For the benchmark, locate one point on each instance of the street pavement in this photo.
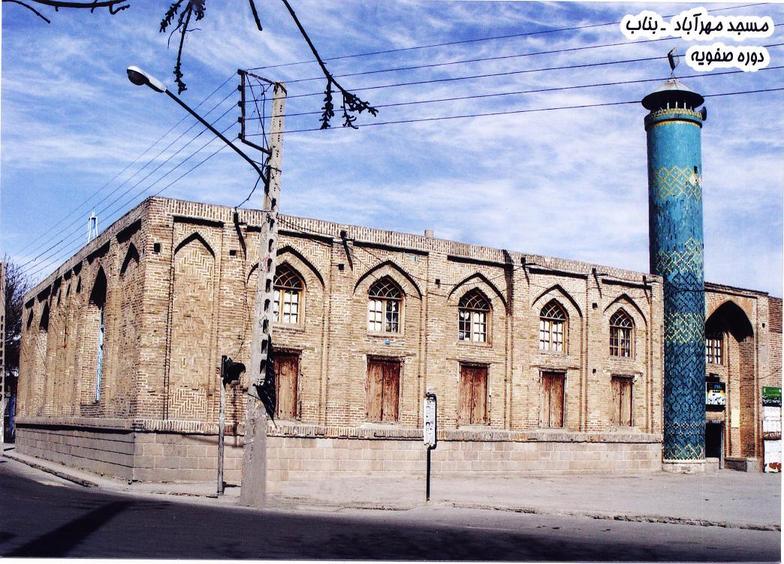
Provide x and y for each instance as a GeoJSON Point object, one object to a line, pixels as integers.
{"type": "Point", "coordinates": [42, 515]}
{"type": "Point", "coordinates": [723, 498]}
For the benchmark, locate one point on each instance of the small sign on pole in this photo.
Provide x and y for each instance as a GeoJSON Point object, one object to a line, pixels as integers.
{"type": "Point", "coordinates": [430, 420]}
{"type": "Point", "coordinates": [429, 433]}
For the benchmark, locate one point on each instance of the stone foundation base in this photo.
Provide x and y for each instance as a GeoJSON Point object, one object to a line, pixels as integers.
{"type": "Point", "coordinates": [684, 466]}
{"type": "Point", "coordinates": [187, 452]}
{"type": "Point", "coordinates": [742, 464]}
{"type": "Point", "coordinates": [132, 455]}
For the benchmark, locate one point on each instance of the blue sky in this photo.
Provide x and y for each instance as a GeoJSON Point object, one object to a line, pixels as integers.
{"type": "Point", "coordinates": [569, 183]}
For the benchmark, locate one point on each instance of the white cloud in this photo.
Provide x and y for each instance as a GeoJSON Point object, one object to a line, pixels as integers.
{"type": "Point", "coordinates": [569, 183]}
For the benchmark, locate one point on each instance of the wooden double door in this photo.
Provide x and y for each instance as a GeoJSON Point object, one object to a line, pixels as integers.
{"type": "Point", "coordinates": [286, 366]}
{"type": "Point", "coordinates": [472, 403]}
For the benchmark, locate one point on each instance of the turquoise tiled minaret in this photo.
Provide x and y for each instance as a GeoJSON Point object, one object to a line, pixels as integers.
{"type": "Point", "coordinates": [674, 127]}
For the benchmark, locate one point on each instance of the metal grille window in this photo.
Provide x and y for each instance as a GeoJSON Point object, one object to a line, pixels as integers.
{"type": "Point", "coordinates": [552, 327]}
{"type": "Point", "coordinates": [472, 317]}
{"type": "Point", "coordinates": [621, 331]}
{"type": "Point", "coordinates": [384, 300]}
{"type": "Point", "coordinates": [288, 292]}
{"type": "Point", "coordinates": [713, 348]}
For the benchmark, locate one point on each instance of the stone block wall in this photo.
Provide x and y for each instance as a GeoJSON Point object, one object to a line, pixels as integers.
{"type": "Point", "coordinates": [301, 455]}
{"type": "Point", "coordinates": [101, 451]}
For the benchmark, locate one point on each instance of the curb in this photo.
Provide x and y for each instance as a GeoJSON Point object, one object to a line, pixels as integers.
{"type": "Point", "coordinates": [662, 519]}
{"type": "Point", "coordinates": [309, 504]}
{"type": "Point", "coordinates": [49, 470]}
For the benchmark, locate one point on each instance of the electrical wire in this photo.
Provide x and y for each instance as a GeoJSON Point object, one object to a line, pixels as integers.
{"type": "Point", "coordinates": [497, 74]}
{"type": "Point", "coordinates": [477, 40]}
{"type": "Point", "coordinates": [524, 111]}
{"type": "Point", "coordinates": [76, 236]}
{"type": "Point", "coordinates": [137, 159]}
{"type": "Point", "coordinates": [161, 164]}
{"type": "Point", "coordinates": [479, 60]}
{"type": "Point", "coordinates": [531, 91]}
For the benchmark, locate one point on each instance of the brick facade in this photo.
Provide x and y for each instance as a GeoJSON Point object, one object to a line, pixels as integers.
{"type": "Point", "coordinates": [179, 292]}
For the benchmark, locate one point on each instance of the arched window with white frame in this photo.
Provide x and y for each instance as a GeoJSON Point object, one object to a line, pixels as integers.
{"type": "Point", "coordinates": [552, 327]}
{"type": "Point", "coordinates": [621, 334]}
{"type": "Point", "coordinates": [385, 299]}
{"type": "Point", "coordinates": [287, 301]}
{"type": "Point", "coordinates": [472, 318]}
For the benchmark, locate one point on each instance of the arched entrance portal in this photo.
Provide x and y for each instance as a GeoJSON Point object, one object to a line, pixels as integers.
{"type": "Point", "coordinates": [729, 351]}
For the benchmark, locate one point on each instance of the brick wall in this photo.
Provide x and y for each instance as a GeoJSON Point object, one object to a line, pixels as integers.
{"type": "Point", "coordinates": [180, 280]}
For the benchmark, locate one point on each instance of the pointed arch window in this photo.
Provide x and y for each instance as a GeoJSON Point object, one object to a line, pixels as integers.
{"type": "Point", "coordinates": [288, 295]}
{"type": "Point", "coordinates": [552, 327]}
{"type": "Point", "coordinates": [621, 334]}
{"type": "Point", "coordinates": [472, 317]}
{"type": "Point", "coordinates": [98, 300]}
{"type": "Point", "coordinates": [384, 303]}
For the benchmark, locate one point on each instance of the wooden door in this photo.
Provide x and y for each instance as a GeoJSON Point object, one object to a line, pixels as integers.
{"type": "Point", "coordinates": [553, 399]}
{"type": "Point", "coordinates": [472, 406]}
{"type": "Point", "coordinates": [622, 401]}
{"type": "Point", "coordinates": [383, 397]}
{"type": "Point", "coordinates": [286, 384]}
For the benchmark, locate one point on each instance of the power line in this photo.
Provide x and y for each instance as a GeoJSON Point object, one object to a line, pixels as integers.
{"type": "Point", "coordinates": [164, 162]}
{"type": "Point", "coordinates": [533, 91]}
{"type": "Point", "coordinates": [500, 74]}
{"type": "Point", "coordinates": [481, 59]}
{"type": "Point", "coordinates": [137, 159]}
{"type": "Point", "coordinates": [477, 40]}
{"type": "Point", "coordinates": [525, 111]}
{"type": "Point", "coordinates": [197, 165]}
{"type": "Point", "coordinates": [75, 236]}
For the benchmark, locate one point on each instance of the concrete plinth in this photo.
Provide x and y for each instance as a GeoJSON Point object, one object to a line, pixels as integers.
{"type": "Point", "coordinates": [684, 466]}
{"type": "Point", "coordinates": [742, 464]}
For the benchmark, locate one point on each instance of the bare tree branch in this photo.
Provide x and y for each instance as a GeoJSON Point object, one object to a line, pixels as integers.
{"type": "Point", "coordinates": [36, 12]}
{"type": "Point", "coordinates": [16, 285]}
{"type": "Point", "coordinates": [114, 6]}
{"type": "Point", "coordinates": [350, 106]}
{"type": "Point", "coordinates": [255, 14]}
{"type": "Point", "coordinates": [351, 103]}
{"type": "Point", "coordinates": [194, 7]}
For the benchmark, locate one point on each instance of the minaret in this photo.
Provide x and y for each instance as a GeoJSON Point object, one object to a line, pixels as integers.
{"type": "Point", "coordinates": [673, 128]}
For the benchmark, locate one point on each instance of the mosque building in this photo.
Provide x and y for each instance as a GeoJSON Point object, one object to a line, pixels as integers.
{"type": "Point", "coordinates": [540, 365]}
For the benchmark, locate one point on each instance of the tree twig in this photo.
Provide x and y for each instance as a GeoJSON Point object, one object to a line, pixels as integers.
{"type": "Point", "coordinates": [255, 14]}
{"type": "Point", "coordinates": [194, 8]}
{"type": "Point", "coordinates": [36, 12]}
{"type": "Point", "coordinates": [351, 102]}
{"type": "Point", "coordinates": [113, 5]}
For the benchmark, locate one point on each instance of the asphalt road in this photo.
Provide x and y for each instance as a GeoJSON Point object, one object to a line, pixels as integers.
{"type": "Point", "coordinates": [43, 516]}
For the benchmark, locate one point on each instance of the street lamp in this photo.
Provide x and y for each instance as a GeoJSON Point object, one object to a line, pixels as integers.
{"type": "Point", "coordinates": [141, 78]}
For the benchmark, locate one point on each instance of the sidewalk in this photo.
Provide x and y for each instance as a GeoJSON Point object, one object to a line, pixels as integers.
{"type": "Point", "coordinates": [725, 498]}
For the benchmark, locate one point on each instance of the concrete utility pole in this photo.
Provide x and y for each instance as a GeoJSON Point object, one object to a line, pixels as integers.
{"type": "Point", "coordinates": [2, 358]}
{"type": "Point", "coordinates": [254, 467]}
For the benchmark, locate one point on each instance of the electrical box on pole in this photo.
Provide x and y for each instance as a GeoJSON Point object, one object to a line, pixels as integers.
{"type": "Point", "coordinates": [261, 390]}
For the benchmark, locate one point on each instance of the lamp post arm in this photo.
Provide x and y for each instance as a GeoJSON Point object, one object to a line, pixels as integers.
{"type": "Point", "coordinates": [220, 135]}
